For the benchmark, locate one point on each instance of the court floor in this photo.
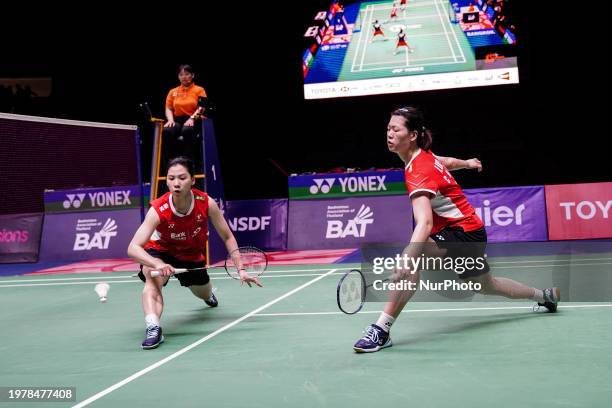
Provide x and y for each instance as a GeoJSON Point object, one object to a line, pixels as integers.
{"type": "Point", "coordinates": [288, 345]}
{"type": "Point", "coordinates": [439, 45]}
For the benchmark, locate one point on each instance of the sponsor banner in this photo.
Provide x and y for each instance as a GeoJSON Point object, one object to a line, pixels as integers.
{"type": "Point", "coordinates": [83, 236]}
{"type": "Point", "coordinates": [19, 237]}
{"type": "Point", "coordinates": [92, 199]}
{"type": "Point", "coordinates": [324, 186]}
{"type": "Point", "coordinates": [261, 223]}
{"type": "Point", "coordinates": [579, 211]}
{"type": "Point", "coordinates": [349, 222]}
{"type": "Point", "coordinates": [511, 214]}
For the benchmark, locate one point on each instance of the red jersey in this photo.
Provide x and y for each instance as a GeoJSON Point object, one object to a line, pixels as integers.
{"type": "Point", "coordinates": [450, 207]}
{"type": "Point", "coordinates": [182, 236]}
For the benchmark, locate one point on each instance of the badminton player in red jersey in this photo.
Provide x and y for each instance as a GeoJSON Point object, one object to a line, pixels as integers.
{"type": "Point", "coordinates": [174, 235]}
{"type": "Point", "coordinates": [443, 216]}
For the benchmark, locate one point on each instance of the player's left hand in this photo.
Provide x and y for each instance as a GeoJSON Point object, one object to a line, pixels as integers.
{"type": "Point", "coordinates": [474, 164]}
{"type": "Point", "coordinates": [249, 280]}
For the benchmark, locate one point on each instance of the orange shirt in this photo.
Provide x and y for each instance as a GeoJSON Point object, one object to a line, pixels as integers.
{"type": "Point", "coordinates": [184, 101]}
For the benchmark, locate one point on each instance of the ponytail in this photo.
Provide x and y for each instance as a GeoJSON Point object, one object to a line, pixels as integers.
{"type": "Point", "coordinates": [424, 139]}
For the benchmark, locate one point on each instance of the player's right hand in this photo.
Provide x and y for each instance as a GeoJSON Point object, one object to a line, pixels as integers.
{"type": "Point", "coordinates": [164, 269]}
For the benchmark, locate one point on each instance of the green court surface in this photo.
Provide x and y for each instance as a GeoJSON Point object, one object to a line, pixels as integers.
{"type": "Point", "coordinates": [439, 45]}
{"type": "Point", "coordinates": [287, 345]}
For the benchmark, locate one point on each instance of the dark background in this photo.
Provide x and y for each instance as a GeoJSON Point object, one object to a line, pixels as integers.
{"type": "Point", "coordinates": [104, 62]}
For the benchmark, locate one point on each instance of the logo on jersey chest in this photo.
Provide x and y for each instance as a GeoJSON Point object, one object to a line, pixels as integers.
{"type": "Point", "coordinates": [179, 236]}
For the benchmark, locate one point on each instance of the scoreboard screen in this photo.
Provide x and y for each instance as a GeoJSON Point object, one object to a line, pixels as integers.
{"type": "Point", "coordinates": [377, 47]}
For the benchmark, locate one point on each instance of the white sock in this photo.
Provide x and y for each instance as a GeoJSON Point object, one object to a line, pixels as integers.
{"type": "Point", "coordinates": [385, 321]}
{"type": "Point", "coordinates": [151, 320]}
{"type": "Point", "coordinates": [538, 295]}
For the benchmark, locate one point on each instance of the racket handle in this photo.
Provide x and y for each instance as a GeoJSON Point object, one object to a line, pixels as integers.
{"type": "Point", "coordinates": [155, 274]}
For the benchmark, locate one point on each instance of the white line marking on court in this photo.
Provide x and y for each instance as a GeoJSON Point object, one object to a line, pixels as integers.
{"type": "Point", "coordinates": [462, 309]}
{"type": "Point", "coordinates": [445, 32]}
{"type": "Point", "coordinates": [136, 280]}
{"type": "Point", "coordinates": [361, 35]}
{"type": "Point", "coordinates": [291, 272]}
{"type": "Point", "coordinates": [416, 65]}
{"type": "Point", "coordinates": [287, 273]}
{"type": "Point", "coordinates": [66, 279]}
{"type": "Point", "coordinates": [572, 264]}
{"type": "Point", "coordinates": [450, 27]}
{"type": "Point", "coordinates": [102, 278]}
{"type": "Point", "coordinates": [66, 283]}
{"type": "Point", "coordinates": [365, 47]}
{"type": "Point", "coordinates": [413, 60]}
{"type": "Point", "coordinates": [551, 260]}
{"type": "Point", "coordinates": [197, 343]}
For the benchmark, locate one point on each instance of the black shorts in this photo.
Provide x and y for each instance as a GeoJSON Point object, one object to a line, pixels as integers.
{"type": "Point", "coordinates": [187, 279]}
{"type": "Point", "coordinates": [459, 243]}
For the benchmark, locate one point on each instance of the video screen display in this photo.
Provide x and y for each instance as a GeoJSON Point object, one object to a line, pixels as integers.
{"type": "Point", "coordinates": [377, 47]}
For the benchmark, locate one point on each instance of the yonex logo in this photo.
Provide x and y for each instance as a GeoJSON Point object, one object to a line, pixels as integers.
{"type": "Point", "coordinates": [74, 200]}
{"type": "Point", "coordinates": [98, 199]}
{"type": "Point", "coordinates": [355, 227]}
{"type": "Point", "coordinates": [100, 239]}
{"type": "Point", "coordinates": [322, 185]}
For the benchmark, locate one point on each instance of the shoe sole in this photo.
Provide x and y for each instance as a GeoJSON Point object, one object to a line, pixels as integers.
{"type": "Point", "coordinates": [156, 345]}
{"type": "Point", "coordinates": [360, 350]}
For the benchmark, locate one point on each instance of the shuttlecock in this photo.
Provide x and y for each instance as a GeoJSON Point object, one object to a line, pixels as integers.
{"type": "Point", "coordinates": [102, 290]}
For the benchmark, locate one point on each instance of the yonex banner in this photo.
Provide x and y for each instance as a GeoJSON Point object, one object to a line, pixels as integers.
{"type": "Point", "coordinates": [92, 199]}
{"type": "Point", "coordinates": [19, 237]}
{"type": "Point", "coordinates": [88, 235]}
{"type": "Point", "coordinates": [324, 186]}
{"type": "Point", "coordinates": [579, 211]}
{"type": "Point", "coordinates": [349, 222]}
{"type": "Point", "coordinates": [511, 214]}
{"type": "Point", "coordinates": [261, 223]}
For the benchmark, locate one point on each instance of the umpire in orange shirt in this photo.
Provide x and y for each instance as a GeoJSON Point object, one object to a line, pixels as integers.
{"type": "Point", "coordinates": [181, 131]}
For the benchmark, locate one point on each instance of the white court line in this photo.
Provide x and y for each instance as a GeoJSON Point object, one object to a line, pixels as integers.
{"type": "Point", "coordinates": [546, 266]}
{"type": "Point", "coordinates": [65, 279]}
{"type": "Point", "coordinates": [133, 280]}
{"type": "Point", "coordinates": [413, 60]}
{"type": "Point", "coordinates": [551, 260]}
{"type": "Point", "coordinates": [291, 272]}
{"type": "Point", "coordinates": [136, 280]}
{"type": "Point", "coordinates": [129, 276]}
{"type": "Point", "coordinates": [409, 18]}
{"type": "Point", "coordinates": [361, 35]}
{"type": "Point", "coordinates": [462, 309]}
{"type": "Point", "coordinates": [450, 27]}
{"type": "Point", "coordinates": [197, 343]}
{"type": "Point", "coordinates": [445, 32]}
{"type": "Point", "coordinates": [413, 5]}
{"type": "Point", "coordinates": [365, 47]}
{"type": "Point", "coordinates": [417, 65]}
